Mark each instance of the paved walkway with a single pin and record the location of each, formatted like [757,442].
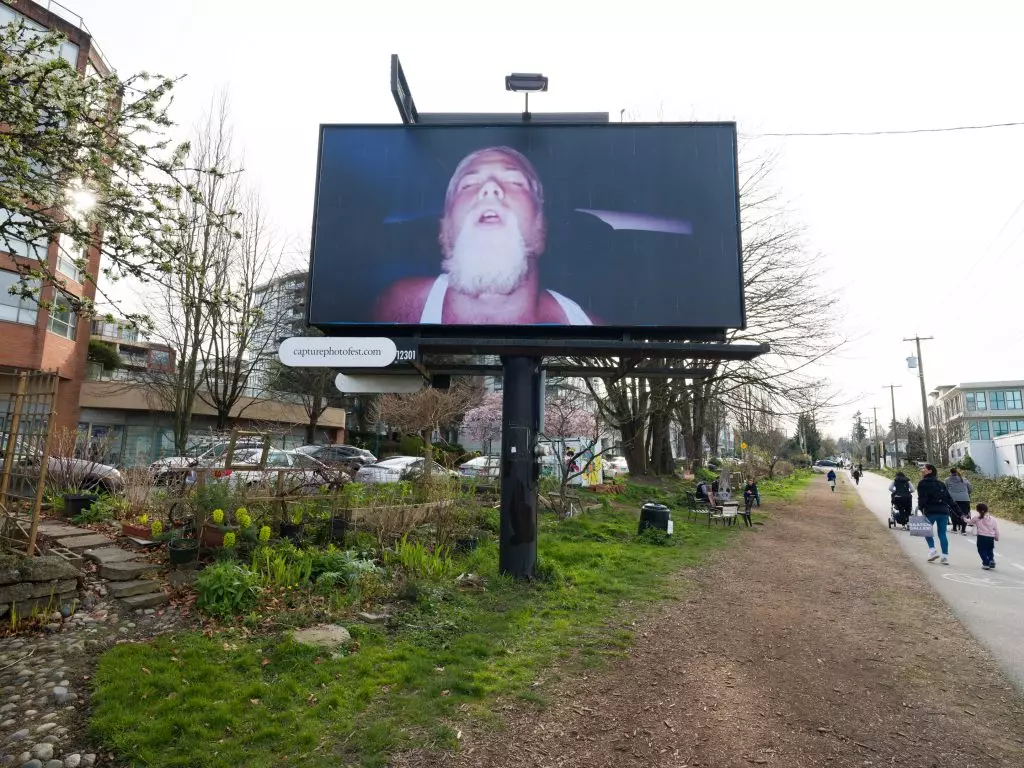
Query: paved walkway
[989,603]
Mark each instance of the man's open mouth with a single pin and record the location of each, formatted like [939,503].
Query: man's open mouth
[489,216]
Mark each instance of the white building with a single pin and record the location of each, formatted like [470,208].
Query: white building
[982,419]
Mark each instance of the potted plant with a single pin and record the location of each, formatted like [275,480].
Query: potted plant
[183,551]
[75,503]
[212,535]
[140,528]
[292,525]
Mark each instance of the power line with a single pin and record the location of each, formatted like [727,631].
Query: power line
[894,132]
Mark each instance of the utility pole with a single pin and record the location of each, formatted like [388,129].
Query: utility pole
[879,442]
[924,399]
[874,433]
[895,437]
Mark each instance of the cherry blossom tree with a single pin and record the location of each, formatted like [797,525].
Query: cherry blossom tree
[567,416]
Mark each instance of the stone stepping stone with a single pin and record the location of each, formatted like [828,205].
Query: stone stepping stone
[109,555]
[126,571]
[133,587]
[81,543]
[149,600]
[54,530]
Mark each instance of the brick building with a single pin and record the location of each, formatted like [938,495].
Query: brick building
[35,338]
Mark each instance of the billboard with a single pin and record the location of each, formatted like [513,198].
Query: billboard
[547,230]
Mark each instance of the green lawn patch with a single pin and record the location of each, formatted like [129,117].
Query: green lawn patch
[231,699]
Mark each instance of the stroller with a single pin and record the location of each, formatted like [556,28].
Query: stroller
[899,514]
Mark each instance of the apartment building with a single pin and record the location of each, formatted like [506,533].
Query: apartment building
[283,301]
[982,419]
[36,338]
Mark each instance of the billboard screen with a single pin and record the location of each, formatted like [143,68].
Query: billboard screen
[561,230]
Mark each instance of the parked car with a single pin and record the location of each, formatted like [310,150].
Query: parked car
[165,469]
[347,457]
[482,467]
[304,473]
[65,471]
[824,465]
[399,468]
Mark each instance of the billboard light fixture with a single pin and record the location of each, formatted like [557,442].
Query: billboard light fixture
[528,82]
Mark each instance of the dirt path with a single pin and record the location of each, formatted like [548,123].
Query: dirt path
[812,643]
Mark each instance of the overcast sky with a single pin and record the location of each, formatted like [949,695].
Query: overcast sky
[918,233]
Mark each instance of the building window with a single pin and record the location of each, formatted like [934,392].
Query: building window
[68,254]
[1007,426]
[1019,448]
[976,401]
[979,430]
[63,321]
[15,308]
[34,248]
[1013,400]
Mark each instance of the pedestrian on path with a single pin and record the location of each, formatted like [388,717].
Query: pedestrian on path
[856,476]
[831,477]
[987,532]
[933,500]
[960,491]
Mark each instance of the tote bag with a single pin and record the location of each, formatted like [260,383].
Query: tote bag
[920,526]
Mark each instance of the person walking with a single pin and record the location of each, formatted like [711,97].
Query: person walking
[831,477]
[933,500]
[750,490]
[960,491]
[987,532]
[856,476]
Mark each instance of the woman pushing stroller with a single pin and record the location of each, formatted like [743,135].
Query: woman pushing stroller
[902,497]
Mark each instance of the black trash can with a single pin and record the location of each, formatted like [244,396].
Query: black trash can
[76,503]
[653,515]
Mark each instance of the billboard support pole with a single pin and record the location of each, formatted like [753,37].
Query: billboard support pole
[520,471]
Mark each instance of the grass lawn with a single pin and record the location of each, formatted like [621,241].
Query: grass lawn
[232,699]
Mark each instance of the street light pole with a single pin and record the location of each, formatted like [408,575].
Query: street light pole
[896,438]
[924,399]
[879,448]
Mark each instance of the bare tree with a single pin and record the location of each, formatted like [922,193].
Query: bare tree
[242,321]
[201,238]
[313,387]
[427,411]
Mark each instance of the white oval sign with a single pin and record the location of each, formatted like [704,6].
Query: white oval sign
[319,352]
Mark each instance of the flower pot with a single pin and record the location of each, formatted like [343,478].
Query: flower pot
[212,535]
[183,551]
[339,526]
[137,530]
[76,503]
[292,531]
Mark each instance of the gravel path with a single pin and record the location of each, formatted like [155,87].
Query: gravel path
[814,642]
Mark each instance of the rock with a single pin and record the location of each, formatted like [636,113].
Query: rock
[126,571]
[373,618]
[48,717]
[33,764]
[327,636]
[19,735]
[109,555]
[25,757]
[73,761]
[54,764]
[133,587]
[81,543]
[8,723]
[42,751]
[45,727]
[60,694]
[89,760]
[17,568]
[52,627]
[149,611]
[145,601]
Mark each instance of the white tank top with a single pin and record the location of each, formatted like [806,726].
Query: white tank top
[434,305]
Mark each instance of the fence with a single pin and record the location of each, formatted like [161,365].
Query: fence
[26,401]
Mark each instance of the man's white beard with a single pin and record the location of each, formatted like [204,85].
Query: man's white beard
[487,260]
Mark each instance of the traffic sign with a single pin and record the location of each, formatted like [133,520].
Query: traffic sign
[743,446]
[330,352]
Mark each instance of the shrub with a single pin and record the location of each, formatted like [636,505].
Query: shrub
[411,445]
[967,464]
[227,589]
[418,562]
[655,536]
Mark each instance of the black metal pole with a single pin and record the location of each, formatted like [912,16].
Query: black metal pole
[520,471]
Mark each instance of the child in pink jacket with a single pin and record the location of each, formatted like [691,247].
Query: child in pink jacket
[987,533]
